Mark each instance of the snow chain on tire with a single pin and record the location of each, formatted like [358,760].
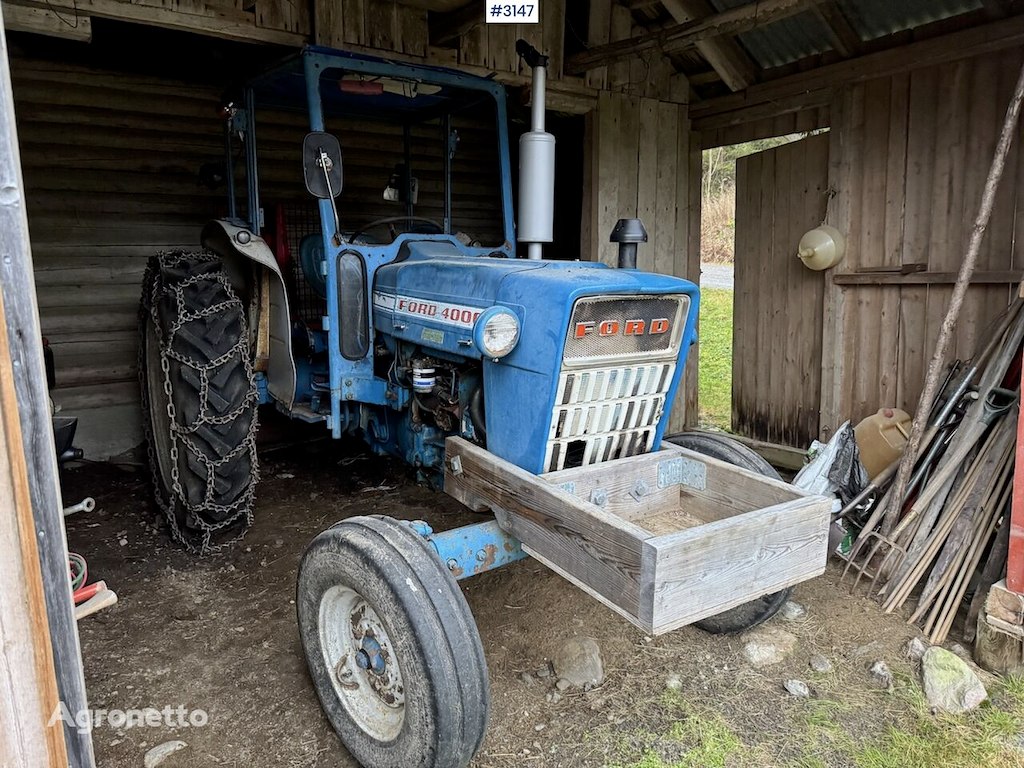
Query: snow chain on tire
[206,472]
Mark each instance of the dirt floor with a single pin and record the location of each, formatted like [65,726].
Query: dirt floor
[218,634]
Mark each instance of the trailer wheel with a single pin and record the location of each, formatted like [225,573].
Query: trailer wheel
[392,648]
[199,399]
[747,615]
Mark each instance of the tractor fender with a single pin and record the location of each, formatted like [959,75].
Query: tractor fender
[222,237]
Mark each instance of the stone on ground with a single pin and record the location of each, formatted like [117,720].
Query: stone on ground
[820,664]
[797,688]
[949,683]
[915,648]
[578,662]
[793,611]
[767,645]
[161,752]
[882,674]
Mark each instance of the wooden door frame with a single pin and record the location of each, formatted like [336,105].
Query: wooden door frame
[40,657]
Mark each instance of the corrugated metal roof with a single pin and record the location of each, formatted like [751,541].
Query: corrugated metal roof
[878,18]
[783,41]
[805,34]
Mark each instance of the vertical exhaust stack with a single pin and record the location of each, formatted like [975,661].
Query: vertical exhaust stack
[536,163]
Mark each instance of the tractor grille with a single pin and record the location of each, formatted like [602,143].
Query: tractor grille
[606,413]
[612,389]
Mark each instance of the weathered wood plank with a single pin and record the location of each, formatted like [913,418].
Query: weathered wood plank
[33,562]
[598,548]
[731,534]
[647,187]
[619,480]
[44,21]
[28,687]
[669,255]
[1004,604]
[997,649]
[697,572]
[996,277]
[221,22]
[679,37]
[599,32]
[688,256]
[354,12]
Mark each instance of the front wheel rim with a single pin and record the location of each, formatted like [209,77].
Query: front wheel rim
[361,663]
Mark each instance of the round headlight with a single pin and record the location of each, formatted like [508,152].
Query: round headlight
[496,332]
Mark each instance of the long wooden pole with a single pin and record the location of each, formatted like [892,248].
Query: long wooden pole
[23,362]
[963,281]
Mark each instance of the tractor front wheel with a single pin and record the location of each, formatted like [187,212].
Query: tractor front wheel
[199,398]
[392,648]
[747,615]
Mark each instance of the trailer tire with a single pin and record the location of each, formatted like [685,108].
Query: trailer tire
[747,615]
[392,648]
[199,399]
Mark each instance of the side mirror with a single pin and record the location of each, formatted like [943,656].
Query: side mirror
[321,165]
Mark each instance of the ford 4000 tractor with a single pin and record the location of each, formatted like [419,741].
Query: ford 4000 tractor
[535,389]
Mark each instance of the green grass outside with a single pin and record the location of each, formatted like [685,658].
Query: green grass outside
[715,385]
[703,738]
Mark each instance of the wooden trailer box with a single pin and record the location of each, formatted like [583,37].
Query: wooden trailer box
[665,539]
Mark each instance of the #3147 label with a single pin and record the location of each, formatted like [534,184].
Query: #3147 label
[513,13]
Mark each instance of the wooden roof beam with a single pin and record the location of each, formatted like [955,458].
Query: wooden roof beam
[230,24]
[679,37]
[723,54]
[963,44]
[45,21]
[842,35]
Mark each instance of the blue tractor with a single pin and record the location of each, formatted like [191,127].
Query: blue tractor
[405,330]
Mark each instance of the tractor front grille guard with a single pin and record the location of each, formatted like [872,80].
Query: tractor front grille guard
[613,386]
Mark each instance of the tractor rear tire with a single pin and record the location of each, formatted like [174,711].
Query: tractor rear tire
[747,615]
[199,399]
[392,648]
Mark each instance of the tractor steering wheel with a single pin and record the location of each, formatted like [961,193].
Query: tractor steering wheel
[391,221]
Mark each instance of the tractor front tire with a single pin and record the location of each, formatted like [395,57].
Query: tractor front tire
[199,399]
[747,615]
[392,648]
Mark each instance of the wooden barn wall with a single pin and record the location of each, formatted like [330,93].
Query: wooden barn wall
[776,375]
[643,161]
[111,165]
[909,158]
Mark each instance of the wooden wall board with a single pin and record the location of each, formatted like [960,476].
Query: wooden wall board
[777,342]
[912,152]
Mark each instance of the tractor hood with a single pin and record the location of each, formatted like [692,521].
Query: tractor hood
[432,297]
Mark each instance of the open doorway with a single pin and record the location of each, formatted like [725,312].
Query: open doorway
[722,235]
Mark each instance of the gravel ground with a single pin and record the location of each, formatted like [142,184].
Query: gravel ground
[716,276]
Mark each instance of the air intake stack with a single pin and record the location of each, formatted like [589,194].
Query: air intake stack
[536,163]
[628,233]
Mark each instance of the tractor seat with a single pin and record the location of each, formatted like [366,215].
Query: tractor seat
[311,256]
